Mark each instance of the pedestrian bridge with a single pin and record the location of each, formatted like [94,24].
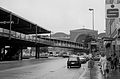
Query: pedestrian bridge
[17,33]
[29,40]
[16,29]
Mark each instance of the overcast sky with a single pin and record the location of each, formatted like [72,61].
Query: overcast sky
[59,15]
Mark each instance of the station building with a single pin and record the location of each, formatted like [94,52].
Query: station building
[79,35]
[60,36]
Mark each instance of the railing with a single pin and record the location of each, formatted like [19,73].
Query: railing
[21,36]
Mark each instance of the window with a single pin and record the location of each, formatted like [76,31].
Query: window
[73,59]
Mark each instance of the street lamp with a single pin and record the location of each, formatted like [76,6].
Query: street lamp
[92,17]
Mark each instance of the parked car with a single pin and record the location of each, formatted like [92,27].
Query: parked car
[96,58]
[50,53]
[65,55]
[83,60]
[44,55]
[56,55]
[73,61]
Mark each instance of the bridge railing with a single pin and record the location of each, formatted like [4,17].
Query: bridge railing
[65,43]
[21,36]
[53,42]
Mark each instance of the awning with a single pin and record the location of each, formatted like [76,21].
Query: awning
[108,39]
[18,23]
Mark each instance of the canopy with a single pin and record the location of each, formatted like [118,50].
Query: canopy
[18,23]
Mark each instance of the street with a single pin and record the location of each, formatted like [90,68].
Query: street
[44,39]
[50,69]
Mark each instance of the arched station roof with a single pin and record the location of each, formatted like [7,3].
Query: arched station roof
[81,37]
[18,23]
[59,34]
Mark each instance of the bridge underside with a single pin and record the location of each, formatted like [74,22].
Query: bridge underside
[15,35]
[18,42]
[14,48]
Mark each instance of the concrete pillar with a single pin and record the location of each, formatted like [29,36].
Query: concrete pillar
[10,26]
[1,52]
[37,52]
[21,53]
[3,56]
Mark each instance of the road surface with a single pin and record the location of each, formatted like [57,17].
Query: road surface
[50,69]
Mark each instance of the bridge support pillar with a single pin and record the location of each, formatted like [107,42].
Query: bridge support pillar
[37,52]
[21,53]
[2,52]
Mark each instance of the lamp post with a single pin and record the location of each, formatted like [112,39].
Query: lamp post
[92,17]
[92,10]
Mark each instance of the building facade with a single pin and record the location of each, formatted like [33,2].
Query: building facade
[112,27]
[60,36]
[79,35]
[101,45]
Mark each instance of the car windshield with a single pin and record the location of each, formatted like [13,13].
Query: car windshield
[73,59]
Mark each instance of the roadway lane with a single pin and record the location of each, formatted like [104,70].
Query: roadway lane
[25,62]
[52,69]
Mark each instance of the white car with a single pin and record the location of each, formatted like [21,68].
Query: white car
[44,55]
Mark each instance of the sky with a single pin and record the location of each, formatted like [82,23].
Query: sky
[60,15]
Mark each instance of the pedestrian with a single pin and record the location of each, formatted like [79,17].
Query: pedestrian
[108,67]
[111,62]
[119,63]
[115,61]
[103,62]
[91,63]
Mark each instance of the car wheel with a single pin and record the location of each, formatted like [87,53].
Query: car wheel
[80,66]
[67,66]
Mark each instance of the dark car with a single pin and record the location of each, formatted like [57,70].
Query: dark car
[73,61]
[96,58]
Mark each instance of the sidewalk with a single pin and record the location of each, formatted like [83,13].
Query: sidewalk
[96,73]
[93,73]
[115,75]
